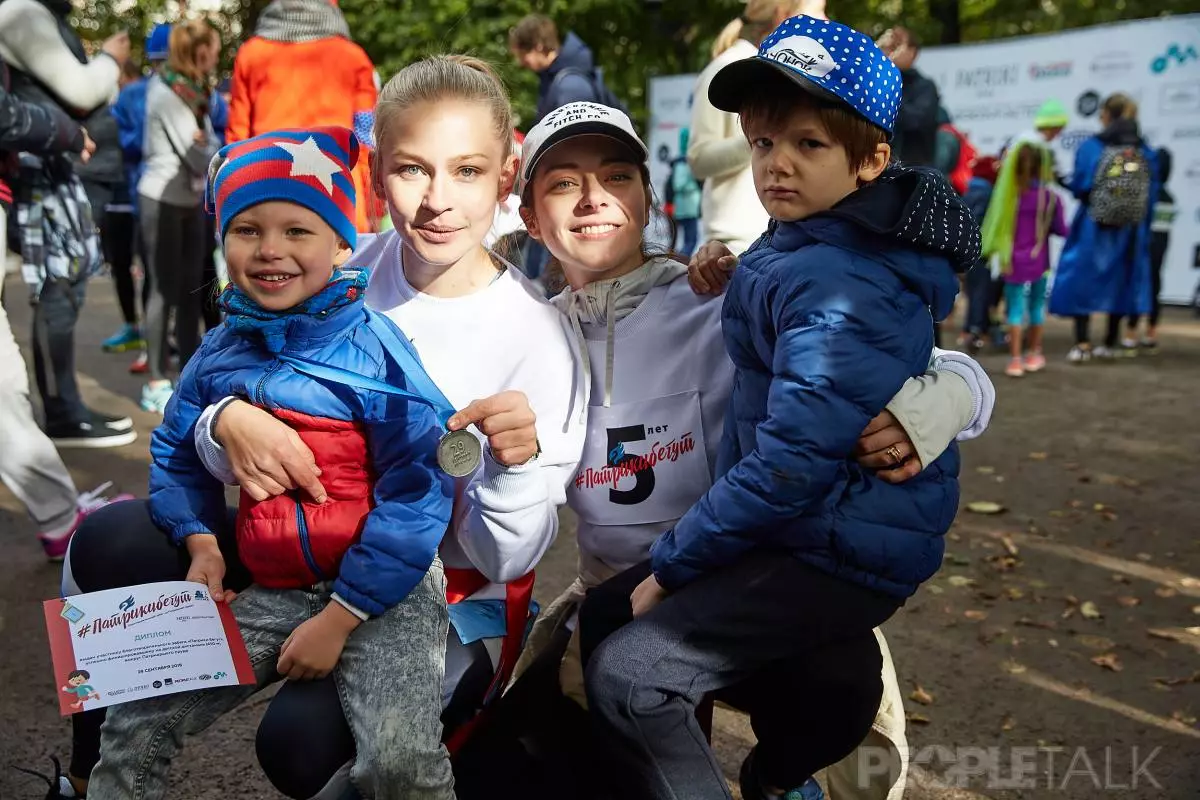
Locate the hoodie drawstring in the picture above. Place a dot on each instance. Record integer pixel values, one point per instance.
(610, 326)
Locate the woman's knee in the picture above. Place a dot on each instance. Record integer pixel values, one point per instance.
(303, 739)
(119, 545)
(614, 676)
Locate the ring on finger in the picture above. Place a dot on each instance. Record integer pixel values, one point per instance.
(893, 453)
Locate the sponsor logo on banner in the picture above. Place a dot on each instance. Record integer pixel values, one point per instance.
(1180, 98)
(1059, 69)
(1088, 103)
(1022, 112)
(1175, 56)
(1113, 62)
(1193, 170)
(987, 79)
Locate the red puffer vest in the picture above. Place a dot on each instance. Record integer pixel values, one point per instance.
(288, 541)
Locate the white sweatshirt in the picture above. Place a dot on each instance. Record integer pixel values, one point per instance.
(170, 128)
(667, 379)
(503, 337)
(719, 155)
(31, 42)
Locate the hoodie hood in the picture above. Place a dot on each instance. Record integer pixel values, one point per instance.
(1121, 131)
(573, 54)
(301, 21)
(909, 212)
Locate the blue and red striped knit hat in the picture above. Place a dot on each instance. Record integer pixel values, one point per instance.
(310, 168)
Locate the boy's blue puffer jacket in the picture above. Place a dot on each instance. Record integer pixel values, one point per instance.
(825, 319)
(389, 503)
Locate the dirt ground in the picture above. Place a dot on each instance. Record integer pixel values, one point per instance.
(1056, 654)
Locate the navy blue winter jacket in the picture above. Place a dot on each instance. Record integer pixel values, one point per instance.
(825, 319)
(561, 82)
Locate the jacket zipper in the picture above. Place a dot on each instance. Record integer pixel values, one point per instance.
(305, 546)
(259, 396)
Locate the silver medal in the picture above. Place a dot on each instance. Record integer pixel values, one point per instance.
(459, 453)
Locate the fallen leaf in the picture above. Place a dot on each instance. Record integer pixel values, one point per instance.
(933, 588)
(1196, 609)
(1189, 582)
(917, 719)
(1009, 545)
(1014, 668)
(1109, 516)
(1034, 623)
(985, 470)
(1095, 642)
(921, 696)
(999, 479)
(985, 507)
(975, 616)
(1144, 557)
(1194, 630)
(954, 537)
(960, 581)
(1165, 591)
(1039, 456)
(1052, 642)
(1089, 610)
(1186, 719)
(1057, 513)
(1099, 507)
(1109, 661)
(1008, 723)
(957, 560)
(1127, 602)
(1014, 593)
(1117, 578)
(1070, 466)
(1070, 612)
(1194, 678)
(1076, 504)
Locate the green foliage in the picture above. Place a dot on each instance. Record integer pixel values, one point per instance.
(634, 40)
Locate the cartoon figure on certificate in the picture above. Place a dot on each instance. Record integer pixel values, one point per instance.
(77, 685)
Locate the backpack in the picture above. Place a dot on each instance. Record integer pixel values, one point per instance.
(960, 175)
(1120, 187)
(595, 79)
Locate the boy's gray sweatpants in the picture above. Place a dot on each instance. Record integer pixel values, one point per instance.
(389, 678)
(29, 465)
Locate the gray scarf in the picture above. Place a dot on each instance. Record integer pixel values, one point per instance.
(301, 21)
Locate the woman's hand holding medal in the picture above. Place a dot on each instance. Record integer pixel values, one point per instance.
(508, 423)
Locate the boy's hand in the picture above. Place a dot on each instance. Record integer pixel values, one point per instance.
(711, 267)
(508, 422)
(646, 596)
(313, 649)
(885, 447)
(208, 565)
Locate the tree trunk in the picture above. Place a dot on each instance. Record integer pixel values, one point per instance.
(947, 13)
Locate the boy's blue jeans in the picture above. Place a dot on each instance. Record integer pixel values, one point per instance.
(768, 634)
(389, 678)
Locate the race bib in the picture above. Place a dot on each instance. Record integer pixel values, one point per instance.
(642, 462)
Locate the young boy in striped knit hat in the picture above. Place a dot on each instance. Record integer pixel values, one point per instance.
(336, 583)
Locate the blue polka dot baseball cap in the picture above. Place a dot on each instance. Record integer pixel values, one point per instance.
(830, 60)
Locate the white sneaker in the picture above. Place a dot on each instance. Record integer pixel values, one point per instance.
(1103, 352)
(1079, 355)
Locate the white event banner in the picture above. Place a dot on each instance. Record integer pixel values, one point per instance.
(993, 90)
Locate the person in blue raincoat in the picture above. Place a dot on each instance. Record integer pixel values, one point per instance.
(1104, 268)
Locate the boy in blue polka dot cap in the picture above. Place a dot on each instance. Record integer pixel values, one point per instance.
(780, 573)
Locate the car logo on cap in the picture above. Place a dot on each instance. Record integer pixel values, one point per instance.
(803, 53)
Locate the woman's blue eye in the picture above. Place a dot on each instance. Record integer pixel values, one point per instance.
(410, 170)
(470, 172)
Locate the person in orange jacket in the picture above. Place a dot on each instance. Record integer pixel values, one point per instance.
(300, 69)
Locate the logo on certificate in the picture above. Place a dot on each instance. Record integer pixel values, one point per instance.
(72, 614)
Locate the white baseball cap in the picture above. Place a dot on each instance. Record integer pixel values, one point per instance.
(575, 119)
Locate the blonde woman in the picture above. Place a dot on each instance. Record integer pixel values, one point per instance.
(179, 141)
(718, 152)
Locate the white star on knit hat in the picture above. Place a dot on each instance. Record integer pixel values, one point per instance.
(309, 161)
